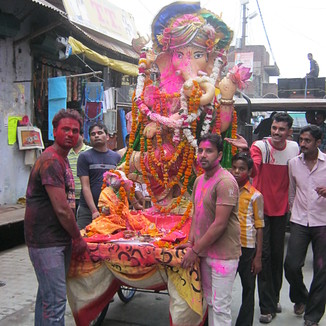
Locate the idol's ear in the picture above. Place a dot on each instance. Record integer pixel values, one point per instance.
(166, 68)
(163, 61)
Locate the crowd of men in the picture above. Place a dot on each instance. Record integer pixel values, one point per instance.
(238, 223)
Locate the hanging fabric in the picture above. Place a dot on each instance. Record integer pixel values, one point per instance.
(57, 95)
(129, 121)
(12, 129)
(94, 92)
(93, 105)
(93, 112)
(124, 132)
(109, 101)
(75, 89)
(80, 89)
(69, 89)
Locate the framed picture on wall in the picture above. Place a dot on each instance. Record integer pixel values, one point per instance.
(29, 138)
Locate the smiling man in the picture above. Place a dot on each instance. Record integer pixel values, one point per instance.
(271, 178)
(91, 165)
(215, 230)
(50, 226)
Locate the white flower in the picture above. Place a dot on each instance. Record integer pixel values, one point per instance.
(216, 70)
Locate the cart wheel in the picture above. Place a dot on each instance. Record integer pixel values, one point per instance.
(126, 293)
(99, 319)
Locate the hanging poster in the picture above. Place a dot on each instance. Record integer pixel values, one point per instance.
(29, 138)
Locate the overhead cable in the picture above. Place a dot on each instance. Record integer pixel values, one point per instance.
(262, 20)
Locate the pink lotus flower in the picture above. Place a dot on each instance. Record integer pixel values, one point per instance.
(239, 75)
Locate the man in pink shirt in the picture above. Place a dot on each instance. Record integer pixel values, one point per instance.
(270, 173)
(307, 198)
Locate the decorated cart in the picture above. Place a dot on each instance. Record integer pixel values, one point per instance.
(179, 97)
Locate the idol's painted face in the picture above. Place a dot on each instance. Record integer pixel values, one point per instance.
(67, 132)
(114, 182)
(189, 61)
(208, 155)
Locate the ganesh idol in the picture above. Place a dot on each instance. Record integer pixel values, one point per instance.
(178, 98)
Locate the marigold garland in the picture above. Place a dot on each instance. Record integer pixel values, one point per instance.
(234, 131)
(132, 135)
(185, 141)
(185, 146)
(178, 226)
(122, 195)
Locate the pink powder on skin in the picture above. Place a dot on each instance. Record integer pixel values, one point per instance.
(225, 116)
(272, 153)
(171, 82)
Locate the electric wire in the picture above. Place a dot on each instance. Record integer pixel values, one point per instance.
(262, 20)
(89, 67)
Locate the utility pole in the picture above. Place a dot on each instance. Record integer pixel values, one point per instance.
(244, 22)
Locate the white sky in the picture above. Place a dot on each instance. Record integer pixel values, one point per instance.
(294, 28)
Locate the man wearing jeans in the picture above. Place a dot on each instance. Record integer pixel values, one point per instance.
(307, 197)
(51, 232)
(215, 231)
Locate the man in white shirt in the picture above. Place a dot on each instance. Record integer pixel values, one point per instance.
(307, 198)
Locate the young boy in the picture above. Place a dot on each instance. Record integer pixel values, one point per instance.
(251, 217)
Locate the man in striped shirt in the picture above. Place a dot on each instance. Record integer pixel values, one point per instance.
(73, 157)
(251, 217)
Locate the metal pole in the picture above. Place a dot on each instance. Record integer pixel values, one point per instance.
(248, 127)
(244, 23)
(85, 74)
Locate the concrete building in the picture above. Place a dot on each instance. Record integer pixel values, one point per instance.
(257, 58)
(29, 55)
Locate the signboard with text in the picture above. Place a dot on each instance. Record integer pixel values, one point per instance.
(103, 17)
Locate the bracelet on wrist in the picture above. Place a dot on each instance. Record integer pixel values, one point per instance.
(226, 102)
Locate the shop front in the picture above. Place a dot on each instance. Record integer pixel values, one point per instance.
(31, 55)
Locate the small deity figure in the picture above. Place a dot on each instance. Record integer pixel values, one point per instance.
(114, 193)
(114, 207)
